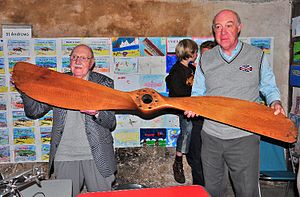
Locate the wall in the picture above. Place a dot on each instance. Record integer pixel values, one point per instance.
(100, 18)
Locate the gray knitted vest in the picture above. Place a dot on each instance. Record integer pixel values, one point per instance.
(238, 78)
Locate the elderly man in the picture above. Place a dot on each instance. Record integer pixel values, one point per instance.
(238, 70)
(81, 144)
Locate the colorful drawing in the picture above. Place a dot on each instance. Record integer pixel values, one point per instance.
(3, 84)
(47, 62)
(45, 134)
(2, 66)
(45, 149)
(16, 101)
(4, 136)
(129, 137)
(1, 48)
(65, 64)
(21, 120)
(152, 65)
(3, 102)
(156, 82)
(47, 119)
(128, 121)
(13, 60)
(23, 135)
(262, 43)
(18, 47)
(172, 135)
(153, 136)
(3, 119)
(4, 154)
(125, 47)
(127, 82)
(100, 46)
(123, 65)
(25, 153)
(44, 47)
(67, 45)
(152, 46)
(296, 51)
(102, 64)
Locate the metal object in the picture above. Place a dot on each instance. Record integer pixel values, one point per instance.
(11, 187)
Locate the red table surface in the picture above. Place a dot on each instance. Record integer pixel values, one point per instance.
(175, 191)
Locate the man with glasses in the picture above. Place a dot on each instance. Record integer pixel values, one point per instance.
(238, 70)
(81, 141)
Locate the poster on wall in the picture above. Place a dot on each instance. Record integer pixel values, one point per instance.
(45, 47)
(67, 45)
(125, 65)
(5, 154)
(102, 64)
(153, 136)
(151, 65)
(125, 47)
(127, 137)
(18, 47)
(1, 47)
(296, 52)
(100, 46)
(156, 82)
(2, 66)
(127, 83)
(152, 46)
(296, 26)
(47, 62)
(172, 135)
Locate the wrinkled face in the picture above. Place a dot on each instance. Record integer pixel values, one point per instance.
(226, 28)
(81, 61)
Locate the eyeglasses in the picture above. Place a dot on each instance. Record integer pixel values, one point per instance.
(218, 27)
(80, 58)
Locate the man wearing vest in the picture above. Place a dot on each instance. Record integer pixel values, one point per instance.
(237, 70)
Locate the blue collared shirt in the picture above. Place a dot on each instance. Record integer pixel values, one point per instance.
(267, 84)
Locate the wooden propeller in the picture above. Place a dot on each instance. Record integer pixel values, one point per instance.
(68, 92)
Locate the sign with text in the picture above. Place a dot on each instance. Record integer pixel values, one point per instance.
(16, 31)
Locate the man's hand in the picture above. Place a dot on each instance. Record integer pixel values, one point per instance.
(276, 105)
(89, 112)
(190, 114)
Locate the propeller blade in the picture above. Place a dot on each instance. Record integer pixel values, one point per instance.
(246, 115)
(65, 91)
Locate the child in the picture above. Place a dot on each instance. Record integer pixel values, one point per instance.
(179, 82)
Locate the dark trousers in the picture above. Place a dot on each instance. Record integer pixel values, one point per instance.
(194, 154)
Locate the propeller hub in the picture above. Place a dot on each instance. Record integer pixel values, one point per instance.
(147, 98)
